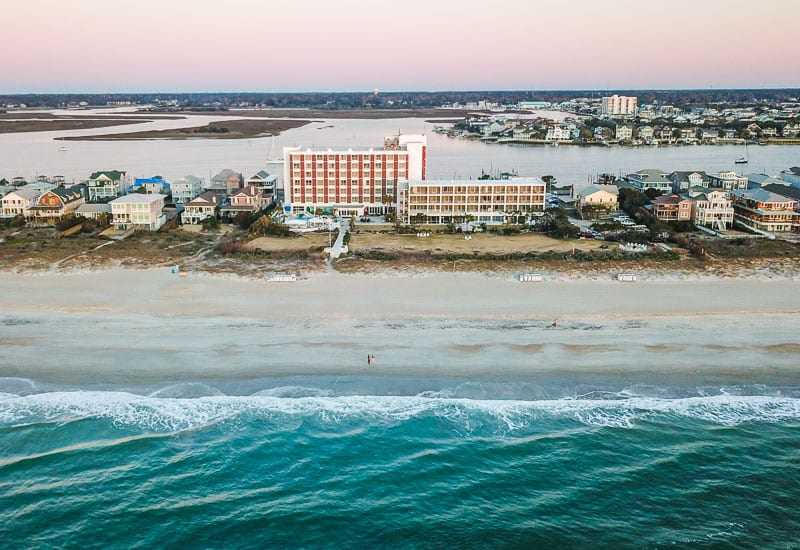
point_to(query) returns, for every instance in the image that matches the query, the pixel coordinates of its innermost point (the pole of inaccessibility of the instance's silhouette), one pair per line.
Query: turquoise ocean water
(369, 461)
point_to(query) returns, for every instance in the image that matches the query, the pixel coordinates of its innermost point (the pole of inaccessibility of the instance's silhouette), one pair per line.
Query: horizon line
(372, 92)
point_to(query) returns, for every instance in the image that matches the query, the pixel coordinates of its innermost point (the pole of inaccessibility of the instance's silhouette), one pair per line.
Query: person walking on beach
(369, 359)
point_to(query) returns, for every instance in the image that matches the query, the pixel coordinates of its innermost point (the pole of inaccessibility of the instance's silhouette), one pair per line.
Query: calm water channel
(31, 154)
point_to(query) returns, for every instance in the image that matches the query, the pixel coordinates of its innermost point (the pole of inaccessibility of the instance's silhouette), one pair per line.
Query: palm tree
(387, 201)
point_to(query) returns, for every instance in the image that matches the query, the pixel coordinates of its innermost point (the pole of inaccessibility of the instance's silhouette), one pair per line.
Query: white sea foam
(507, 416)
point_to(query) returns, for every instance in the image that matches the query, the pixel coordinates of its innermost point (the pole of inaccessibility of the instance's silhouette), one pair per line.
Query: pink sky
(353, 45)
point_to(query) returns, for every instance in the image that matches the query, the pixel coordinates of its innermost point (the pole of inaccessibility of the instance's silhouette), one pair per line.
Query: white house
(712, 208)
(18, 202)
(138, 211)
(558, 133)
(623, 132)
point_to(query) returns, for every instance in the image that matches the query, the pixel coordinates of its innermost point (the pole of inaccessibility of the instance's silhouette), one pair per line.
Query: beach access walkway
(336, 249)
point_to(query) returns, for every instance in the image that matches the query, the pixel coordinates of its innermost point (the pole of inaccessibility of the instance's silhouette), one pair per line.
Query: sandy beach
(149, 327)
(438, 295)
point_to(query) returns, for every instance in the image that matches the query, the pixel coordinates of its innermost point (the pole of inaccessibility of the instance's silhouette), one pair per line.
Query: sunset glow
(346, 45)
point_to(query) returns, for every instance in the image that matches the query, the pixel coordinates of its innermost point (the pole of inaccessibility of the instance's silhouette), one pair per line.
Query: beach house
(596, 199)
(155, 185)
(249, 200)
(263, 181)
(18, 202)
(682, 181)
(764, 211)
(227, 182)
(186, 189)
(56, 203)
(711, 208)
(200, 208)
(727, 180)
(650, 178)
(106, 185)
(142, 211)
(672, 208)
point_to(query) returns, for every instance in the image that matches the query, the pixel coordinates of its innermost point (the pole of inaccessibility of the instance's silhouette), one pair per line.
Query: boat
(271, 158)
(63, 148)
(745, 159)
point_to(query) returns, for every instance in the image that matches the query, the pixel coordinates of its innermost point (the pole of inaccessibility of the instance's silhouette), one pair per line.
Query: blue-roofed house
(151, 186)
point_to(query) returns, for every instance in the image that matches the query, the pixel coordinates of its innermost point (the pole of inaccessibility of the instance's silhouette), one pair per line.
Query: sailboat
(272, 155)
(745, 159)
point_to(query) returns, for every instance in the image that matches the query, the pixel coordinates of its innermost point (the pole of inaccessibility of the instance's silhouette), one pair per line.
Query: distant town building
(557, 132)
(618, 105)
(351, 182)
(479, 201)
(623, 132)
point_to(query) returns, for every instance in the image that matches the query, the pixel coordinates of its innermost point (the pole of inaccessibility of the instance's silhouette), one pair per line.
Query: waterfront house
(623, 132)
(682, 181)
(727, 180)
(650, 178)
(646, 134)
(672, 208)
(56, 203)
(791, 176)
(151, 186)
(249, 200)
(186, 189)
(764, 211)
(598, 197)
(105, 185)
(709, 135)
(556, 132)
(787, 191)
(18, 202)
(754, 181)
(264, 181)
(200, 208)
(138, 211)
(94, 211)
(228, 180)
(711, 208)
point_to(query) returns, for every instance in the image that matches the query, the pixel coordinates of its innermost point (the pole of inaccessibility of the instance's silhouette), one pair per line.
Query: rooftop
(138, 198)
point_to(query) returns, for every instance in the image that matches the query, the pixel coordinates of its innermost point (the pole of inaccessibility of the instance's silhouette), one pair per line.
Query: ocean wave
(170, 414)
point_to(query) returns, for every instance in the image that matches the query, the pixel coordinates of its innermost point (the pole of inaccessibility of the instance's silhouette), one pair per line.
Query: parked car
(586, 235)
